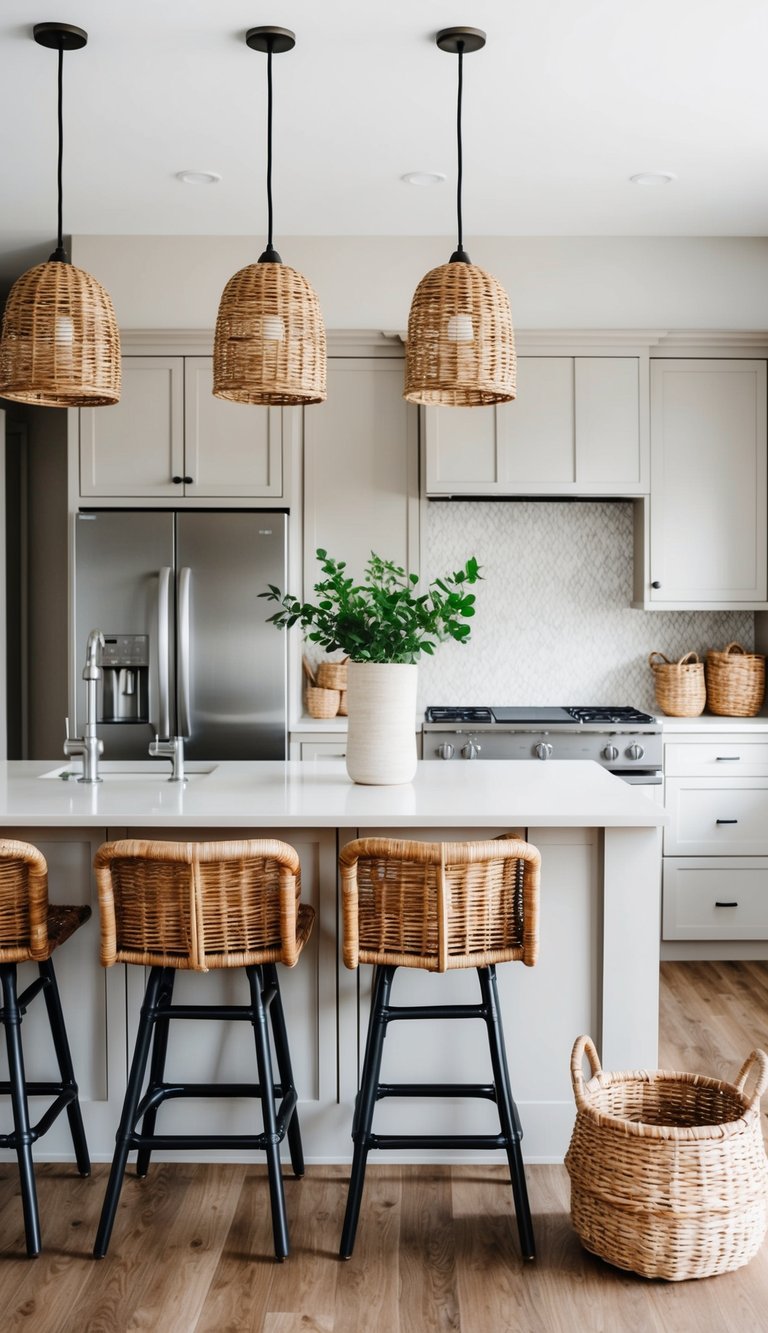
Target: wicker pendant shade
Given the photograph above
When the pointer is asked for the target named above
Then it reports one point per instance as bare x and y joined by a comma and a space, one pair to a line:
60, 344
269, 346
460, 349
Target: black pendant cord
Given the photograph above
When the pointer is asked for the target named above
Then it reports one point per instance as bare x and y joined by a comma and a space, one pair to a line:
270, 255
459, 255
60, 253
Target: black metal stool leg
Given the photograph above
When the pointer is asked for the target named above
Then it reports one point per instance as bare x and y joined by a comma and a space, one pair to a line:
282, 1052
64, 1060
365, 1104
156, 1065
22, 1137
266, 1083
508, 1117
128, 1117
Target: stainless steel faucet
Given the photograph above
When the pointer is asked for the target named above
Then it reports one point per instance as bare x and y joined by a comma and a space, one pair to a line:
170, 747
88, 745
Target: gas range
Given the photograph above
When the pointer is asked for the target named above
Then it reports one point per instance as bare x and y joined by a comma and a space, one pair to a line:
624, 740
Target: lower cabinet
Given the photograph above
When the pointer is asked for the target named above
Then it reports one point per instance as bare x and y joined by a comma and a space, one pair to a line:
715, 898
715, 871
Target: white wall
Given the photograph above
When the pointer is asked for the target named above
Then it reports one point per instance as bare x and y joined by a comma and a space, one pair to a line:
367, 282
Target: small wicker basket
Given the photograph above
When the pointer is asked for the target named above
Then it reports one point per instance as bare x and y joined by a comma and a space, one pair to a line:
680, 686
668, 1172
332, 675
735, 681
322, 703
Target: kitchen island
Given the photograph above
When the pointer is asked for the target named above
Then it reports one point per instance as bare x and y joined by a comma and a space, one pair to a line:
598, 968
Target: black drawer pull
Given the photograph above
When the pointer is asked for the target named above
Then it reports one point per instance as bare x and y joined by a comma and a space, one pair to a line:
717, 904
727, 758
177, 480
726, 821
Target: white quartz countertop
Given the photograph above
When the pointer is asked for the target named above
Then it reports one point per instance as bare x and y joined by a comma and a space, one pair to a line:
318, 793
708, 723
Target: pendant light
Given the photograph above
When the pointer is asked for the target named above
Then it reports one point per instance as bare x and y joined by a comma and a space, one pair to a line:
460, 350
269, 345
60, 344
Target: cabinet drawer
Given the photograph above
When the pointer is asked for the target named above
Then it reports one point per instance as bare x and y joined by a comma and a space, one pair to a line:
711, 818
729, 756
723, 898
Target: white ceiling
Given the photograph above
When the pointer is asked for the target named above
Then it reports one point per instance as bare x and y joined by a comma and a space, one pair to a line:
568, 99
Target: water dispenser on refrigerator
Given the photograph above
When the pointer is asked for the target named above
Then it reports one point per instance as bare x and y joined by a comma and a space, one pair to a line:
125, 678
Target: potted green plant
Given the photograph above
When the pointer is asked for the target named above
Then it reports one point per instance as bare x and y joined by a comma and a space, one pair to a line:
383, 625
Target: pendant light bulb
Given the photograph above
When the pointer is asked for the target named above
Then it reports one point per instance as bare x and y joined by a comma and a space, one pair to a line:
460, 346
269, 346
60, 344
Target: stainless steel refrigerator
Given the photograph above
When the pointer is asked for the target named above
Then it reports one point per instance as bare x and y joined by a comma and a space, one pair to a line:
187, 648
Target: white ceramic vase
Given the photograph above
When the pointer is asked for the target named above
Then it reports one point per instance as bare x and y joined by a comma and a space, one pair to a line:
381, 730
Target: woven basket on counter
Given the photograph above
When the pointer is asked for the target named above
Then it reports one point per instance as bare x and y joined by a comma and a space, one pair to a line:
735, 681
680, 686
332, 675
322, 703
668, 1172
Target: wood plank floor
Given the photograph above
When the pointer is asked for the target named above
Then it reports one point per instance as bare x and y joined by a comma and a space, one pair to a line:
436, 1250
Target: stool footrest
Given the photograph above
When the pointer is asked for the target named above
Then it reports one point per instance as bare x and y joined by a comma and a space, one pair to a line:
230, 1012
64, 1098
479, 1141
485, 1090
163, 1091
392, 1012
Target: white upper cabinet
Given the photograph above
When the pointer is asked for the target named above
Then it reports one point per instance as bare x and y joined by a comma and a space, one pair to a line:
361, 468
575, 428
169, 438
703, 542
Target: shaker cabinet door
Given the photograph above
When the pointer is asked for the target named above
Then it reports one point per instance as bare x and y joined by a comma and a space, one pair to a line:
708, 508
136, 448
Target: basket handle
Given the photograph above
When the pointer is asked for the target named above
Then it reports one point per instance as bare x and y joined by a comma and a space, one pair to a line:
583, 1045
760, 1059
664, 660
731, 647
688, 657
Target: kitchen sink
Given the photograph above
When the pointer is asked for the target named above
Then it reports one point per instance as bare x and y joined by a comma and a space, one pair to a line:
114, 771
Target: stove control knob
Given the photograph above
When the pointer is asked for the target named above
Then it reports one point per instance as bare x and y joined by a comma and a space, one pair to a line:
635, 752
471, 750
543, 750
610, 753
445, 751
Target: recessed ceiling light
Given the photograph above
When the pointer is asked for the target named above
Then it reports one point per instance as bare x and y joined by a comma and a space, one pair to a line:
198, 177
423, 178
653, 178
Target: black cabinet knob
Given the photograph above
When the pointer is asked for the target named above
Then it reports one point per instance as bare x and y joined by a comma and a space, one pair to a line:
189, 480
655, 583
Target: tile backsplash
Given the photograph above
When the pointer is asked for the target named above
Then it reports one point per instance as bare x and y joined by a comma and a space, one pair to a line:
554, 623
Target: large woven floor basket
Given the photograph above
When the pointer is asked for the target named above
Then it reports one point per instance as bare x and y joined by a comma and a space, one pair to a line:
668, 1171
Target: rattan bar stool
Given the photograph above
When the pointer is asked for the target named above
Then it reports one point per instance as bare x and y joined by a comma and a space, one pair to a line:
438, 906
30, 929
174, 906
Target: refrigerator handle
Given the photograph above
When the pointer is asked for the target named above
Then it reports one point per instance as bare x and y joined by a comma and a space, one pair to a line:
163, 651
183, 651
